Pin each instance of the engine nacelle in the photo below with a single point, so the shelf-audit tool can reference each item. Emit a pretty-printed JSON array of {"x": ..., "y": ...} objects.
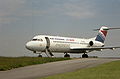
[
  {"x": 95, "y": 43},
  {"x": 91, "y": 43}
]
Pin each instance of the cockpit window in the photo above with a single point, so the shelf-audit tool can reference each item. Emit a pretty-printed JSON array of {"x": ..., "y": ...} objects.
[
  {"x": 40, "y": 39},
  {"x": 34, "y": 39},
  {"x": 37, "y": 39}
]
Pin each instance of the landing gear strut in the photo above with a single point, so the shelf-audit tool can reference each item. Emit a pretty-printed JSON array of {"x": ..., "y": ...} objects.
[
  {"x": 84, "y": 56},
  {"x": 67, "y": 55}
]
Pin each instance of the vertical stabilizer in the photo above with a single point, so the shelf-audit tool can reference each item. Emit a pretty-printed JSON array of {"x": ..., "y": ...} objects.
[{"x": 102, "y": 34}]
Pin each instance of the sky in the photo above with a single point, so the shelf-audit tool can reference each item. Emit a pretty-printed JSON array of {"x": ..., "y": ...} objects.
[{"x": 20, "y": 20}]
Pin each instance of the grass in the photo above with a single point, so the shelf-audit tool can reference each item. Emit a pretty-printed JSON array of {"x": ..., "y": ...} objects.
[
  {"x": 7, "y": 63},
  {"x": 105, "y": 71}
]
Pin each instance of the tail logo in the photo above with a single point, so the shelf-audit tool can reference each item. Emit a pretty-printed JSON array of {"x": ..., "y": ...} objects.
[{"x": 102, "y": 34}]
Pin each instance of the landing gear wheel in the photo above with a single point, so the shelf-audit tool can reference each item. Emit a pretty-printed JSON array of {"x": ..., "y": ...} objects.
[
  {"x": 67, "y": 55},
  {"x": 39, "y": 55},
  {"x": 84, "y": 56}
]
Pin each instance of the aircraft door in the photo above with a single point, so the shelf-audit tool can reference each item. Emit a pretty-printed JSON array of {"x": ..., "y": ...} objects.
[{"x": 48, "y": 42}]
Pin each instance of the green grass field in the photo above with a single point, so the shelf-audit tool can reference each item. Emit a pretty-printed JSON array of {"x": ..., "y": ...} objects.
[
  {"x": 105, "y": 71},
  {"x": 7, "y": 63}
]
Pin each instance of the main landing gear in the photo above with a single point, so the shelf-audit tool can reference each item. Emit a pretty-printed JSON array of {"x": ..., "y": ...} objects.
[
  {"x": 66, "y": 55},
  {"x": 84, "y": 56},
  {"x": 39, "y": 55}
]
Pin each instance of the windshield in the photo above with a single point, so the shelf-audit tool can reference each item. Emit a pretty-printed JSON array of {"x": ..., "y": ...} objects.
[
  {"x": 37, "y": 39},
  {"x": 34, "y": 39}
]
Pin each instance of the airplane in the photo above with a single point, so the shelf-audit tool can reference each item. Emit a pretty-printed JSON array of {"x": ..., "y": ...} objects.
[{"x": 58, "y": 44}]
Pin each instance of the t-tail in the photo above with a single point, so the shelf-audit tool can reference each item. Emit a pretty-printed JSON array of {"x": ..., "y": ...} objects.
[{"x": 103, "y": 33}]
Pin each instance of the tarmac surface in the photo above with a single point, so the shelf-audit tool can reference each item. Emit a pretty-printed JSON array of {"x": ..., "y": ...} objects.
[{"x": 48, "y": 69}]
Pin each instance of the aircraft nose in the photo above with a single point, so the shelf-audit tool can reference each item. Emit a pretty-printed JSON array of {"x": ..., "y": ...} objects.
[{"x": 29, "y": 45}]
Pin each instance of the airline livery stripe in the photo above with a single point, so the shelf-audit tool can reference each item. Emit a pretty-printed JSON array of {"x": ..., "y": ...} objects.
[
  {"x": 104, "y": 32},
  {"x": 100, "y": 38}
]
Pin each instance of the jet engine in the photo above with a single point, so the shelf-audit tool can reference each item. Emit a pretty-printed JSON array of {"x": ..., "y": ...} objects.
[
  {"x": 91, "y": 43},
  {"x": 95, "y": 43}
]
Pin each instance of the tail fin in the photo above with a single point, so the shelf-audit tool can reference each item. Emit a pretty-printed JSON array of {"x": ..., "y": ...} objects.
[{"x": 102, "y": 34}]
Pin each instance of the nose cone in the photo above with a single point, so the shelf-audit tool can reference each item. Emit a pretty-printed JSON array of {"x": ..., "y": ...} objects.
[{"x": 29, "y": 45}]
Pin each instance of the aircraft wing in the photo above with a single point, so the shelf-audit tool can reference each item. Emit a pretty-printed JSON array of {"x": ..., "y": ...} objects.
[{"x": 95, "y": 48}]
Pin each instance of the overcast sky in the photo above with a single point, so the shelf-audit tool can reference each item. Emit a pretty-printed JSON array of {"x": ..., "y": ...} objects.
[{"x": 20, "y": 20}]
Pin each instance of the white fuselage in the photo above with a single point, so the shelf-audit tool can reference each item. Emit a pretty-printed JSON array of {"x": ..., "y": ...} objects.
[{"x": 60, "y": 44}]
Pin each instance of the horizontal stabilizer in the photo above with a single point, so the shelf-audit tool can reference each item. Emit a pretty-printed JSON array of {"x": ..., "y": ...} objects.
[{"x": 107, "y": 29}]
